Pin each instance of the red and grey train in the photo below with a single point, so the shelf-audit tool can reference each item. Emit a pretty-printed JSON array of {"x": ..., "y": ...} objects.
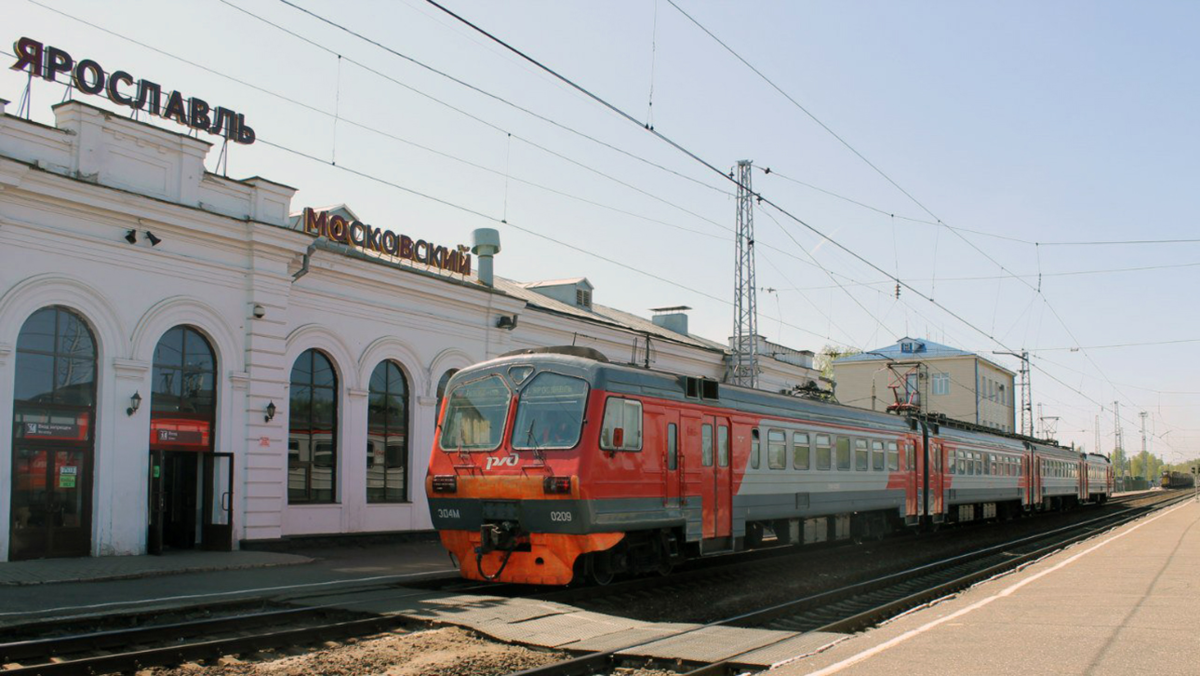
[{"x": 553, "y": 463}]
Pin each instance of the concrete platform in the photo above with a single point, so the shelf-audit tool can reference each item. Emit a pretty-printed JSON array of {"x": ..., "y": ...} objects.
[
  {"x": 96, "y": 569},
  {"x": 1125, "y": 603},
  {"x": 58, "y": 588}
]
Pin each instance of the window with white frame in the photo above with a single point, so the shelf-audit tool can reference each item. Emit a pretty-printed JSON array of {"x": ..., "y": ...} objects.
[{"x": 941, "y": 383}]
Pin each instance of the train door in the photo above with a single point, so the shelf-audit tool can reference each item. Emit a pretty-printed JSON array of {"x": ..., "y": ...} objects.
[
  {"x": 672, "y": 461},
  {"x": 1035, "y": 479},
  {"x": 723, "y": 478},
  {"x": 908, "y": 463},
  {"x": 697, "y": 482},
  {"x": 937, "y": 484}
]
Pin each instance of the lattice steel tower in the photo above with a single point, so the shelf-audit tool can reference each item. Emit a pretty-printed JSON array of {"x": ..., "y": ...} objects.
[{"x": 745, "y": 305}]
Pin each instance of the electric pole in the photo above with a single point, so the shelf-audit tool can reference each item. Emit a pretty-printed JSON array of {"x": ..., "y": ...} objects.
[
  {"x": 1026, "y": 394},
  {"x": 745, "y": 304},
  {"x": 1117, "y": 439},
  {"x": 1145, "y": 456}
]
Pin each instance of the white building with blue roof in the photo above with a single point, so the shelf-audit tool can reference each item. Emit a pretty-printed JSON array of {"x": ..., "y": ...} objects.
[{"x": 930, "y": 376}]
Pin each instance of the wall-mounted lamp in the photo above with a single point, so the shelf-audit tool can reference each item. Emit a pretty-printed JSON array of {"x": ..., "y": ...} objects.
[
  {"x": 154, "y": 241},
  {"x": 259, "y": 311},
  {"x": 507, "y": 323},
  {"x": 270, "y": 413},
  {"x": 135, "y": 402},
  {"x": 131, "y": 236}
]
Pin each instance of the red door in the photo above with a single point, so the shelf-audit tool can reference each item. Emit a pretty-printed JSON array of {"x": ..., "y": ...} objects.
[
  {"x": 937, "y": 485},
  {"x": 723, "y": 478},
  {"x": 672, "y": 460},
  {"x": 908, "y": 463},
  {"x": 698, "y": 460}
]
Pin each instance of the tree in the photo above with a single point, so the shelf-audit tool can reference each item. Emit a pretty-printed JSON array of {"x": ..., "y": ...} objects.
[{"x": 829, "y": 354}]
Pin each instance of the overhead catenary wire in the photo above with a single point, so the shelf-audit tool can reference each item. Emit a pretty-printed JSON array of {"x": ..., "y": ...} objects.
[
  {"x": 425, "y": 195},
  {"x": 762, "y": 199},
  {"x": 689, "y": 287},
  {"x": 886, "y": 177},
  {"x": 486, "y": 93},
  {"x": 395, "y": 137}
]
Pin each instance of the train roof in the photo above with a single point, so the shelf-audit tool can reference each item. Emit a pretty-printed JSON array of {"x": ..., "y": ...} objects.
[{"x": 628, "y": 379}]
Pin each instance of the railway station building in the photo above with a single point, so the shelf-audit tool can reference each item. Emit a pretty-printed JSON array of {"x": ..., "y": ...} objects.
[
  {"x": 933, "y": 377},
  {"x": 193, "y": 361}
]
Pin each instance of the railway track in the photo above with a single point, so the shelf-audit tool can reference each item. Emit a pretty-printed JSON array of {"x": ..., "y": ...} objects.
[
  {"x": 703, "y": 573},
  {"x": 71, "y": 647},
  {"x": 858, "y": 606},
  {"x": 151, "y": 639}
]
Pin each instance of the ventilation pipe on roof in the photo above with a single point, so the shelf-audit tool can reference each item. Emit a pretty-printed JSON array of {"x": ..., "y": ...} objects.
[{"x": 486, "y": 245}]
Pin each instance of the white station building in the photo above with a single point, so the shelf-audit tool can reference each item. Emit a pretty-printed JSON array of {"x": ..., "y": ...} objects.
[{"x": 188, "y": 365}]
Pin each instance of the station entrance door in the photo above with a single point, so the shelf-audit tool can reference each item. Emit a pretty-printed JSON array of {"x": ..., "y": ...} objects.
[{"x": 191, "y": 501}]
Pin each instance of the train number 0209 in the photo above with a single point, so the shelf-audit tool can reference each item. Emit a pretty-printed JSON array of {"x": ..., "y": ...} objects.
[{"x": 560, "y": 516}]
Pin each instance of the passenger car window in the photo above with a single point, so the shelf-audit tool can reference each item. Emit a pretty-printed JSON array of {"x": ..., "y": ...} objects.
[
  {"x": 776, "y": 449},
  {"x": 722, "y": 446},
  {"x": 862, "y": 457},
  {"x": 800, "y": 450},
  {"x": 625, "y": 416},
  {"x": 754, "y": 462},
  {"x": 706, "y": 445},
  {"x": 893, "y": 456},
  {"x": 843, "y": 454},
  {"x": 672, "y": 446},
  {"x": 824, "y": 452},
  {"x": 877, "y": 458}
]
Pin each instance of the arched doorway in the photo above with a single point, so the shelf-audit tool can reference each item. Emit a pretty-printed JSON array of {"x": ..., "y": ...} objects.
[
  {"x": 54, "y": 422},
  {"x": 191, "y": 488}
]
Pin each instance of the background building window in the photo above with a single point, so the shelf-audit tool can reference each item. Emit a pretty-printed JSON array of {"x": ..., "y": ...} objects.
[
  {"x": 312, "y": 437},
  {"x": 941, "y": 383},
  {"x": 387, "y": 435}
]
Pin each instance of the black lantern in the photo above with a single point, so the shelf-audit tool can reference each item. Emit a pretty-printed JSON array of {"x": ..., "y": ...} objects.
[
  {"x": 270, "y": 412},
  {"x": 135, "y": 402}
]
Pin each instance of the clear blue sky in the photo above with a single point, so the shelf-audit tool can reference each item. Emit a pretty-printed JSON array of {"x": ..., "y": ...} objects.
[{"x": 1038, "y": 122}]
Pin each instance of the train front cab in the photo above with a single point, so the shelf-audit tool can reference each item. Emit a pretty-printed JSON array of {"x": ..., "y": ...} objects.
[{"x": 504, "y": 479}]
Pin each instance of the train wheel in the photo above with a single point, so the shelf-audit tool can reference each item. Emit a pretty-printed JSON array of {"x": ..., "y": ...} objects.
[
  {"x": 665, "y": 567},
  {"x": 600, "y": 570}
]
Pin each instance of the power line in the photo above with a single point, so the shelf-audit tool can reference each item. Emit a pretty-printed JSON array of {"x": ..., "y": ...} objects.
[
  {"x": 412, "y": 143},
  {"x": 1123, "y": 242},
  {"x": 1116, "y": 345},
  {"x": 492, "y": 96}
]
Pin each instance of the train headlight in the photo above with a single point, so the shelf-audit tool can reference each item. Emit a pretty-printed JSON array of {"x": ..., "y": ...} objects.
[
  {"x": 557, "y": 484},
  {"x": 445, "y": 483}
]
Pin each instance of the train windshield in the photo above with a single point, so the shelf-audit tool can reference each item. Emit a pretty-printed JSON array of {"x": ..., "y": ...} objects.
[
  {"x": 550, "y": 412},
  {"x": 476, "y": 415}
]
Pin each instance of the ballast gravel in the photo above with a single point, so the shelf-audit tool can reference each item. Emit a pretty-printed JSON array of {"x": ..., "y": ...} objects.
[{"x": 443, "y": 651}]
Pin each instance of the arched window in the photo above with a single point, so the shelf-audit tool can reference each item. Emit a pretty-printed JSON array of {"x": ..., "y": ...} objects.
[
  {"x": 183, "y": 402},
  {"x": 54, "y": 415},
  {"x": 441, "y": 389},
  {"x": 387, "y": 435},
  {"x": 183, "y": 415},
  {"x": 312, "y": 438}
]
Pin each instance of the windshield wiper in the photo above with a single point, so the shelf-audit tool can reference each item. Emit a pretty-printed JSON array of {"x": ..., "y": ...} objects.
[{"x": 537, "y": 452}]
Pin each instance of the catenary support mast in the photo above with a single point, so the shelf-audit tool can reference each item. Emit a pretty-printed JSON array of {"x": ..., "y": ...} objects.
[{"x": 745, "y": 305}]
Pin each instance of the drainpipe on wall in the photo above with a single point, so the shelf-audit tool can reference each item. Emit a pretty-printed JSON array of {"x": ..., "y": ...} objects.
[
  {"x": 308, "y": 253},
  {"x": 976, "y": 388}
]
